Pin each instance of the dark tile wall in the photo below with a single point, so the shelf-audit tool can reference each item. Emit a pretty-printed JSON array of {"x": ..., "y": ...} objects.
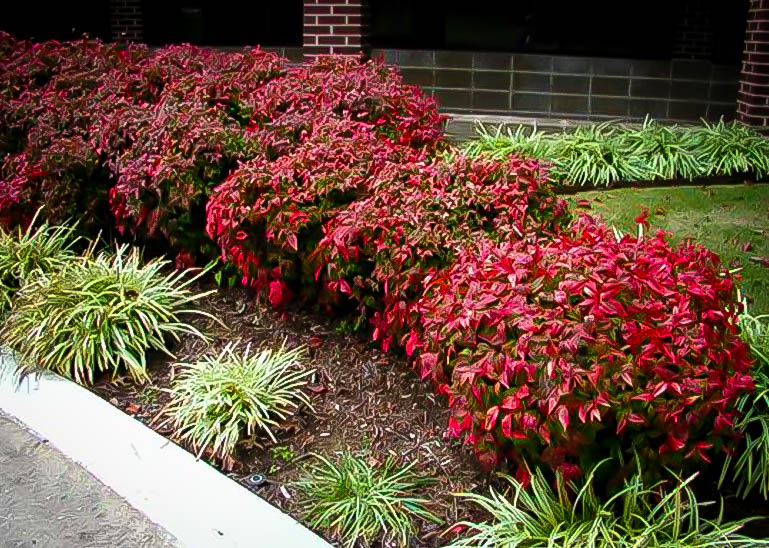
[{"x": 570, "y": 87}]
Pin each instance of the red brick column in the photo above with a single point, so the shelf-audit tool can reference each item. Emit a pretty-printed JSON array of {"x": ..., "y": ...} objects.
[
  {"x": 694, "y": 33},
  {"x": 126, "y": 22},
  {"x": 335, "y": 27},
  {"x": 753, "y": 96}
]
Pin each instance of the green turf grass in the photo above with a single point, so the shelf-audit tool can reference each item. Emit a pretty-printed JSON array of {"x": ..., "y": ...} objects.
[{"x": 724, "y": 218}]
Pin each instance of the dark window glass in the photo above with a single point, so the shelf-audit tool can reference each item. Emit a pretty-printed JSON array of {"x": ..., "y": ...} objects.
[
  {"x": 223, "y": 22},
  {"x": 56, "y": 20},
  {"x": 601, "y": 28}
]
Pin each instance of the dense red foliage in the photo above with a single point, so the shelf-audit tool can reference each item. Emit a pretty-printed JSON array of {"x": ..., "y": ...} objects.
[
  {"x": 555, "y": 341},
  {"x": 50, "y": 98},
  {"x": 150, "y": 134},
  {"x": 267, "y": 215},
  {"x": 380, "y": 248},
  {"x": 571, "y": 347}
]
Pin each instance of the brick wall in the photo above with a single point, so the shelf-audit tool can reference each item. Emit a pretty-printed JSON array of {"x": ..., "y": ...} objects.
[
  {"x": 335, "y": 27},
  {"x": 694, "y": 33},
  {"x": 753, "y": 97},
  {"x": 126, "y": 22},
  {"x": 579, "y": 88}
]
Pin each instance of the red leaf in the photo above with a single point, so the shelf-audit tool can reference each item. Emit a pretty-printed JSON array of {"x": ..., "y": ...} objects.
[
  {"x": 507, "y": 425},
  {"x": 643, "y": 218},
  {"x": 276, "y": 293},
  {"x": 411, "y": 344},
  {"x": 563, "y": 417},
  {"x": 292, "y": 242},
  {"x": 491, "y": 417}
]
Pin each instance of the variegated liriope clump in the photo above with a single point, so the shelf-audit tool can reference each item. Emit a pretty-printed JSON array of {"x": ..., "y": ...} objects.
[
  {"x": 358, "y": 501},
  {"x": 100, "y": 314},
  {"x": 535, "y": 515},
  {"x": 221, "y": 398},
  {"x": 40, "y": 248}
]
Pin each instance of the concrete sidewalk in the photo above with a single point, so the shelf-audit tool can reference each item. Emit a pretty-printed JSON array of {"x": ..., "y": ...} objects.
[
  {"x": 187, "y": 497},
  {"x": 46, "y": 500}
]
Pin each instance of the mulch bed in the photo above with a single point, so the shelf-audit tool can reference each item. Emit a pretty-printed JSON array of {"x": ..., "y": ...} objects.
[{"x": 363, "y": 400}]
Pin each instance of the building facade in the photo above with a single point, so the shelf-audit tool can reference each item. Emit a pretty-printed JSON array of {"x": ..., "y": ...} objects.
[{"x": 676, "y": 61}]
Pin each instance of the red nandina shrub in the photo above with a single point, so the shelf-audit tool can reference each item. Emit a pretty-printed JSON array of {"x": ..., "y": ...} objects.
[
  {"x": 380, "y": 248},
  {"x": 16, "y": 207},
  {"x": 346, "y": 88},
  {"x": 167, "y": 156},
  {"x": 62, "y": 178},
  {"x": 57, "y": 169},
  {"x": 47, "y": 104},
  {"x": 169, "y": 125},
  {"x": 267, "y": 215},
  {"x": 570, "y": 348},
  {"x": 226, "y": 81},
  {"x": 325, "y": 130},
  {"x": 166, "y": 126},
  {"x": 53, "y": 79},
  {"x": 178, "y": 153}
]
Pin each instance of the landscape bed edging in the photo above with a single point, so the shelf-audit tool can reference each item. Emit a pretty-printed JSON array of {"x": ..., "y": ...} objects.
[{"x": 187, "y": 497}]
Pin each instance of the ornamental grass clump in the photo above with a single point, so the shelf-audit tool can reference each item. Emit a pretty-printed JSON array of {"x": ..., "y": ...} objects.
[
  {"x": 523, "y": 143},
  {"x": 665, "y": 515},
  {"x": 594, "y": 155},
  {"x": 24, "y": 253},
  {"x": 609, "y": 152},
  {"x": 100, "y": 314},
  {"x": 222, "y": 397},
  {"x": 748, "y": 468},
  {"x": 665, "y": 152},
  {"x": 731, "y": 148},
  {"x": 357, "y": 501}
]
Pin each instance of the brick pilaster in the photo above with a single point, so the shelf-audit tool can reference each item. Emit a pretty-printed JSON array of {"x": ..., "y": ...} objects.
[
  {"x": 753, "y": 95},
  {"x": 335, "y": 27},
  {"x": 694, "y": 32},
  {"x": 126, "y": 21}
]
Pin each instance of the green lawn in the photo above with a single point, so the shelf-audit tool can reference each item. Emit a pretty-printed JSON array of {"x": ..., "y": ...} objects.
[{"x": 724, "y": 218}]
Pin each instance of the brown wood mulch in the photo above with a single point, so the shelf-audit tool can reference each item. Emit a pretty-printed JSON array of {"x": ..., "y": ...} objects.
[{"x": 364, "y": 400}]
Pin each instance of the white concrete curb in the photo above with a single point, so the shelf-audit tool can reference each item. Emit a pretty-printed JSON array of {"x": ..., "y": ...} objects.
[{"x": 188, "y": 498}]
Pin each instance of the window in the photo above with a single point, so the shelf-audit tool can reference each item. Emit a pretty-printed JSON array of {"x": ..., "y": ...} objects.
[{"x": 224, "y": 22}]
